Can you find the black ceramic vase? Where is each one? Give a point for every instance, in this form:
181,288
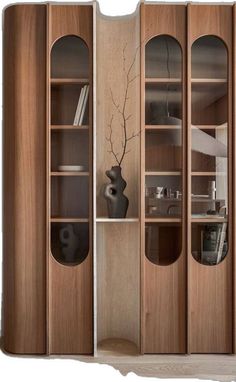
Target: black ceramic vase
117,202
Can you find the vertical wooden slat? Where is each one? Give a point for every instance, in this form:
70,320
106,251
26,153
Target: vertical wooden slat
24,236
142,179
210,288
188,178
70,288
163,287
234,174
48,167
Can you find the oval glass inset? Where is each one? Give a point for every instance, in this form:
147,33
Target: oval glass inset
70,242
209,159
163,149
163,242
69,194
70,58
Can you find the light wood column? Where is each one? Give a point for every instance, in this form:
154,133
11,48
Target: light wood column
210,287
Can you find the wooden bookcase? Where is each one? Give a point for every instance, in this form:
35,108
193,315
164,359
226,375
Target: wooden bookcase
162,280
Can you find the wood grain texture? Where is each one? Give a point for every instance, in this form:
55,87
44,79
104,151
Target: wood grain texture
112,36
118,282
70,295
200,366
234,174
210,288
24,234
163,287
72,20
70,309
118,256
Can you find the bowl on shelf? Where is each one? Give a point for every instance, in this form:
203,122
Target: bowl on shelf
71,168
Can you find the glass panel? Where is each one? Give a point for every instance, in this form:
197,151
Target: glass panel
70,175
69,58
69,196
70,242
163,147
209,139
209,242
70,76
64,101
159,248
69,148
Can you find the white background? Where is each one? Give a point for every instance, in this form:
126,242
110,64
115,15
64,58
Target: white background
38,369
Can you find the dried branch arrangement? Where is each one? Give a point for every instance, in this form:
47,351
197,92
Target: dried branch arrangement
121,109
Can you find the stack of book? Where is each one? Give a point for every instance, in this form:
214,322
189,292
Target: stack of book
213,243
81,106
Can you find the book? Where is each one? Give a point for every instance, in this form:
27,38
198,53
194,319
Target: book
221,243
79,106
210,238
85,100
213,243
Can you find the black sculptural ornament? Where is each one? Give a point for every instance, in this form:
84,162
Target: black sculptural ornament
70,243
117,202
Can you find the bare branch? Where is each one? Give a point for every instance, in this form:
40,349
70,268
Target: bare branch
117,106
109,139
133,135
122,109
124,58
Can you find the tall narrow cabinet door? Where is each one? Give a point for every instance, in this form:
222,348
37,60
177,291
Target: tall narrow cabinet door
210,178
70,329
163,46
24,234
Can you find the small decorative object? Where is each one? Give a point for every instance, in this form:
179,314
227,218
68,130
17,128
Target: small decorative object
158,193
153,210
117,202
176,194
167,192
70,168
70,243
212,189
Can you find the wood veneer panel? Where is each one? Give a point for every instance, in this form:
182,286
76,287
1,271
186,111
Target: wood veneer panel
210,288
70,302
24,199
118,281
163,287
118,249
70,314
234,176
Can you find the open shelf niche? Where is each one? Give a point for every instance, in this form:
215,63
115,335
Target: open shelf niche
117,243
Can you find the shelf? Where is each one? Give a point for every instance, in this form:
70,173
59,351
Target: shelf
69,173
64,81
179,127
116,347
117,220
69,127
68,220
210,127
162,173
209,80
193,200
163,80
208,173
209,220
163,127
162,219
153,80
